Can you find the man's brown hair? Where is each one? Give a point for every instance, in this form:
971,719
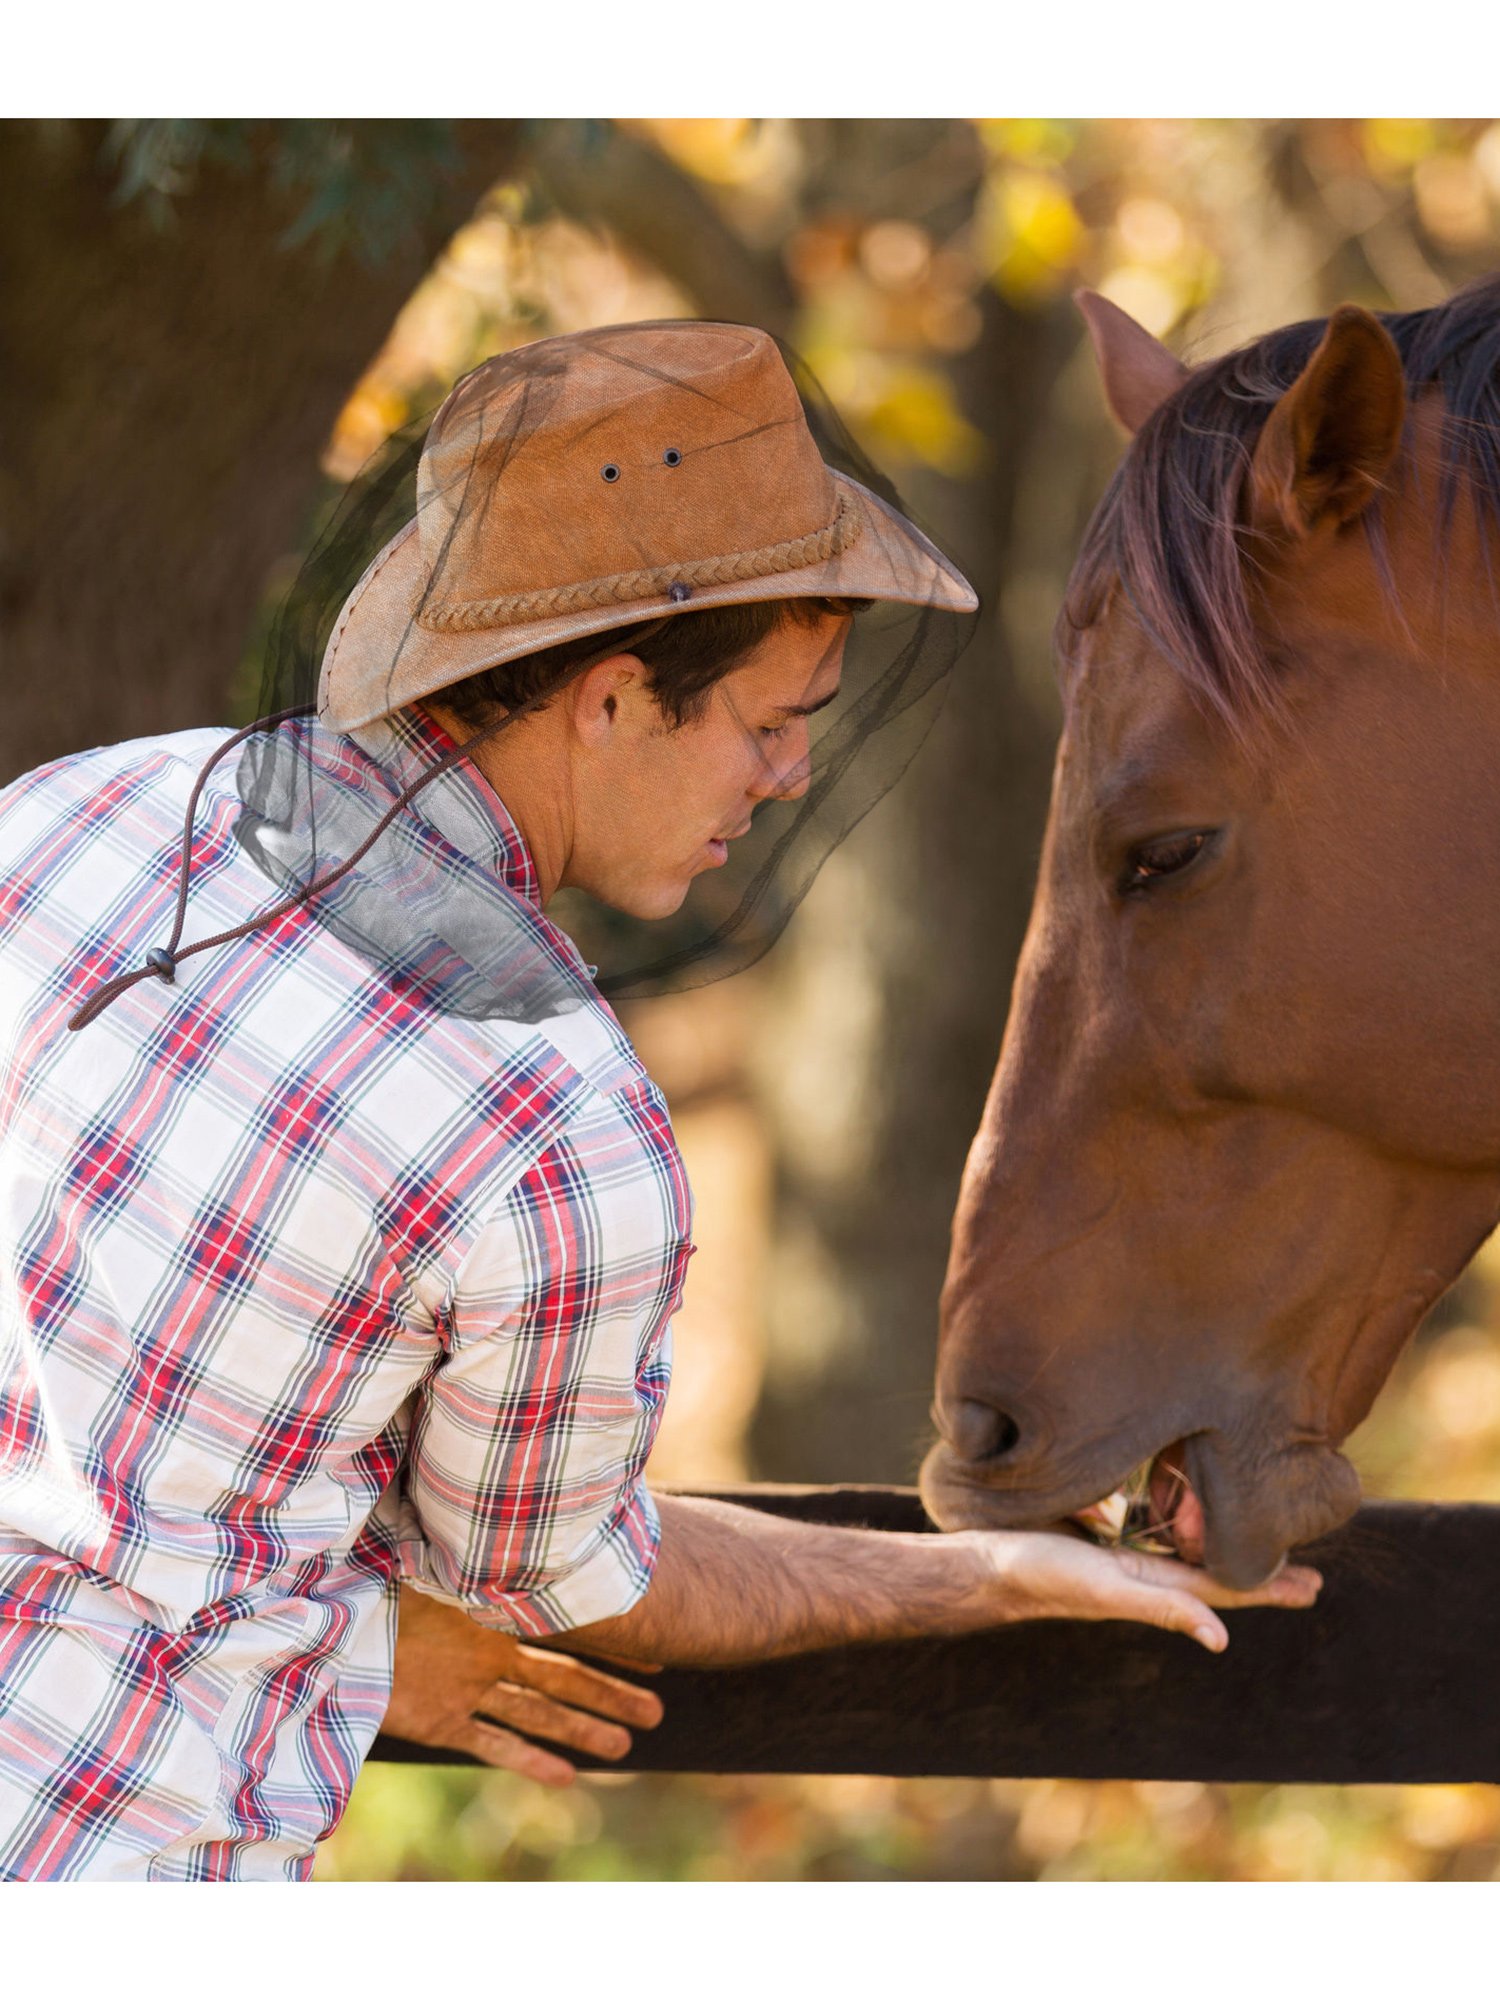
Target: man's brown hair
690,654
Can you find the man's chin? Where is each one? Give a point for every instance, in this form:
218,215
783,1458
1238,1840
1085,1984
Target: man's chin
647,904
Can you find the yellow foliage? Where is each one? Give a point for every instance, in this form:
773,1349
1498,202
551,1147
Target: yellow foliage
915,416
1033,141
723,150
365,422
1394,145
1028,232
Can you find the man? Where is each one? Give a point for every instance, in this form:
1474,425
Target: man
340,1231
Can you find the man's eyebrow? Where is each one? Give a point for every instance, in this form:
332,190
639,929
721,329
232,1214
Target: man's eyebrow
791,709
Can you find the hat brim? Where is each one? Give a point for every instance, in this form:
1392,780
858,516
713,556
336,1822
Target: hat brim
378,657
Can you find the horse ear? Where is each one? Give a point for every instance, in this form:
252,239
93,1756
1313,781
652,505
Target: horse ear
1139,374
1329,442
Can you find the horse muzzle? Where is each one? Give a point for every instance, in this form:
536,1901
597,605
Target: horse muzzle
1238,1510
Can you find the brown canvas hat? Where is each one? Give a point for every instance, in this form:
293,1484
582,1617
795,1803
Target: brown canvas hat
604,478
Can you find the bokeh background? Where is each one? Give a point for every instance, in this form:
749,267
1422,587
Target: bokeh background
205,328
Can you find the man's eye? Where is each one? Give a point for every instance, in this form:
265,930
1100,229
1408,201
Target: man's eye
780,729
1169,854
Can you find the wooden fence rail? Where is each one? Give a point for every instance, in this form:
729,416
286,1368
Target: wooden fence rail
1391,1679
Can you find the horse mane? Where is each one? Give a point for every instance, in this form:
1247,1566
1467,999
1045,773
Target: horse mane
1168,531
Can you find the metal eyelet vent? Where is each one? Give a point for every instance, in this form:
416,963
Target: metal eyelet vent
671,456
609,473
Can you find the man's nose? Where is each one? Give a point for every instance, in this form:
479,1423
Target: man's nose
778,780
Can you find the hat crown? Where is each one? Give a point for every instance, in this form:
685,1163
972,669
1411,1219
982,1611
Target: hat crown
622,449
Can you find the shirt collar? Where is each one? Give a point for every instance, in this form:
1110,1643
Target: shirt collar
462,805
448,896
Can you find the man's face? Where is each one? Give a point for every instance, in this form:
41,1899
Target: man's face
655,805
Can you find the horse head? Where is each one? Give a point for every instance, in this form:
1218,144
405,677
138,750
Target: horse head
1245,1126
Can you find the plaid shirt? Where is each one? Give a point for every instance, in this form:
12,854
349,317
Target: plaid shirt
305,1286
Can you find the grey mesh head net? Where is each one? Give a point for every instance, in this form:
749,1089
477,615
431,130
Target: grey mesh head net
569,502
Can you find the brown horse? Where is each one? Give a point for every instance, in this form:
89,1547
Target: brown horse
1245,1127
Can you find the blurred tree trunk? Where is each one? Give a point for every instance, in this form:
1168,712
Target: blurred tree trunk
609,179
893,986
165,392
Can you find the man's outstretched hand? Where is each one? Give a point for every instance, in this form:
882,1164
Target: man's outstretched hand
1053,1574
458,1684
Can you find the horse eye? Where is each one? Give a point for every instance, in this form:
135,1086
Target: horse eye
1150,860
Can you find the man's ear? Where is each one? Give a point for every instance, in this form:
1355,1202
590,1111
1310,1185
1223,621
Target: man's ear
1138,372
1330,440
597,695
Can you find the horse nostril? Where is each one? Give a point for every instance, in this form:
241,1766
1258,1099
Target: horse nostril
978,1431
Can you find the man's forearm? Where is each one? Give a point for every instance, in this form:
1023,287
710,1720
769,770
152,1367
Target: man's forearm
733,1584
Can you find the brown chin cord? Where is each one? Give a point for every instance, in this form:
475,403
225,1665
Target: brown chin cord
162,961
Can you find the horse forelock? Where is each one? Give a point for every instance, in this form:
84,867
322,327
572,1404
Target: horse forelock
1168,536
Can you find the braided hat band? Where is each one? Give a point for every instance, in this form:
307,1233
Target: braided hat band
628,586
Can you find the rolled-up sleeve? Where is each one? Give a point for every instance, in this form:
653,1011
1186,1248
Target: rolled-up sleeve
525,1468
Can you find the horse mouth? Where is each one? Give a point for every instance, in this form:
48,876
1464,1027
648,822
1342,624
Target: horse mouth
1238,1515
1225,1506
1157,1508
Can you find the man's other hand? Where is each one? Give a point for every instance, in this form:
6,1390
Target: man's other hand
458,1684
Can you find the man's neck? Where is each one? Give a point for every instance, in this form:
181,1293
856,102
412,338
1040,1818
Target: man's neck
522,771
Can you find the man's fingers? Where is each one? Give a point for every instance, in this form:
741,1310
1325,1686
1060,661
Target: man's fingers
1182,1613
1154,1600
570,1680
1183,1595
506,1752
1292,1588
541,1715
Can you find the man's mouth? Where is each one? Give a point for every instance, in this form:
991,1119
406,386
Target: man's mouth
718,846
